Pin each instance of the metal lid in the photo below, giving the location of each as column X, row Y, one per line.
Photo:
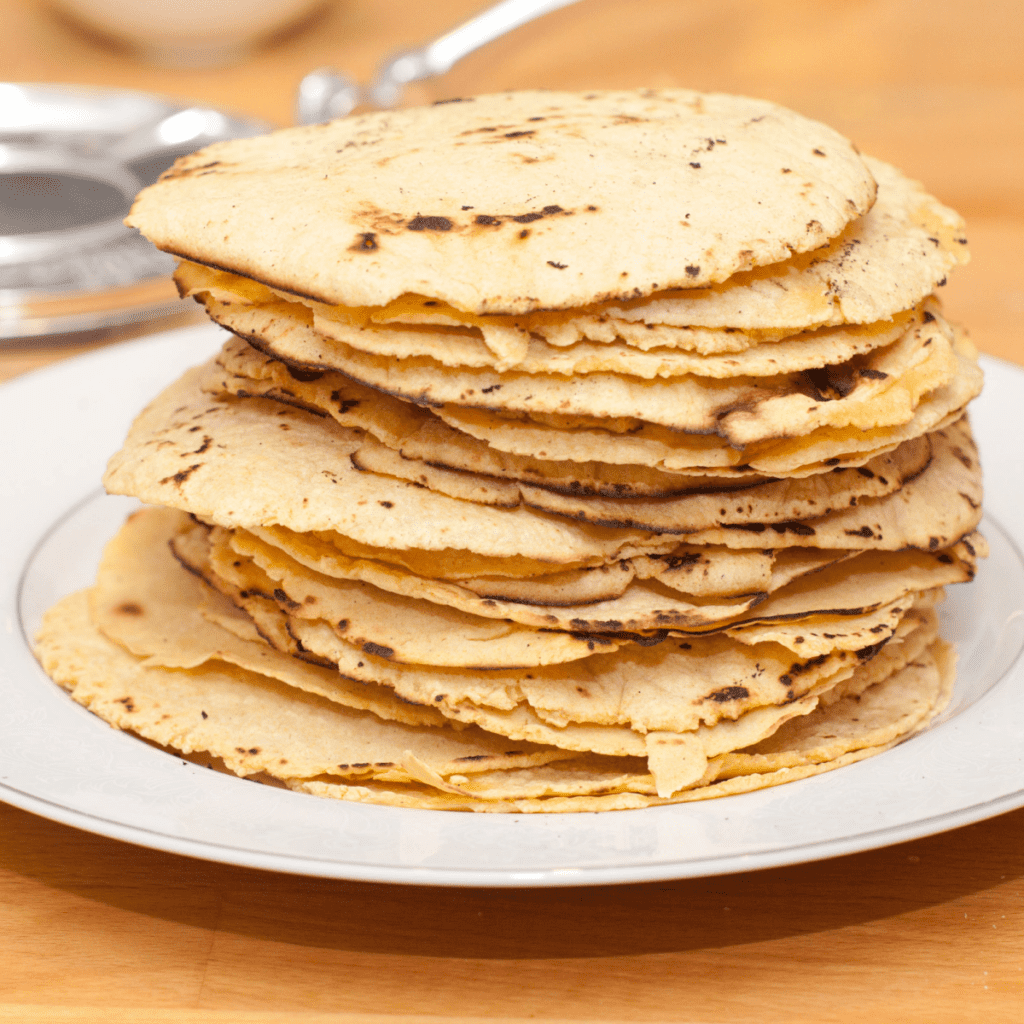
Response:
column 71, row 161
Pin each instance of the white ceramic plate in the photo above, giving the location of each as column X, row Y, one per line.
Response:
column 59, row 426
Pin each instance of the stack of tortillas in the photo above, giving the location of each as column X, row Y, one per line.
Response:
column 570, row 452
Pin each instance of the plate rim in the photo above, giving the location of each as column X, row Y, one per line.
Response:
column 488, row 878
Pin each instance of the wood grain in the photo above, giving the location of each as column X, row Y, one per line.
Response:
column 919, row 927
column 92, row 930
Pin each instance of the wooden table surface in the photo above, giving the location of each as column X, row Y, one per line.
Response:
column 96, row 930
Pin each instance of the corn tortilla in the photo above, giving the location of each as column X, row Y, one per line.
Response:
column 475, row 204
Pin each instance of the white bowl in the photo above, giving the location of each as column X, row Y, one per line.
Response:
column 189, row 33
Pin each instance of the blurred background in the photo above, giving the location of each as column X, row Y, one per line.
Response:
column 934, row 86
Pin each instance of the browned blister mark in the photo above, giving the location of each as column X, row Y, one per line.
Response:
column 727, row 693
column 182, row 475
column 421, row 223
column 366, row 241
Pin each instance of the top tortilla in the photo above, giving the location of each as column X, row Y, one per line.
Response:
column 514, row 202
column 883, row 263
